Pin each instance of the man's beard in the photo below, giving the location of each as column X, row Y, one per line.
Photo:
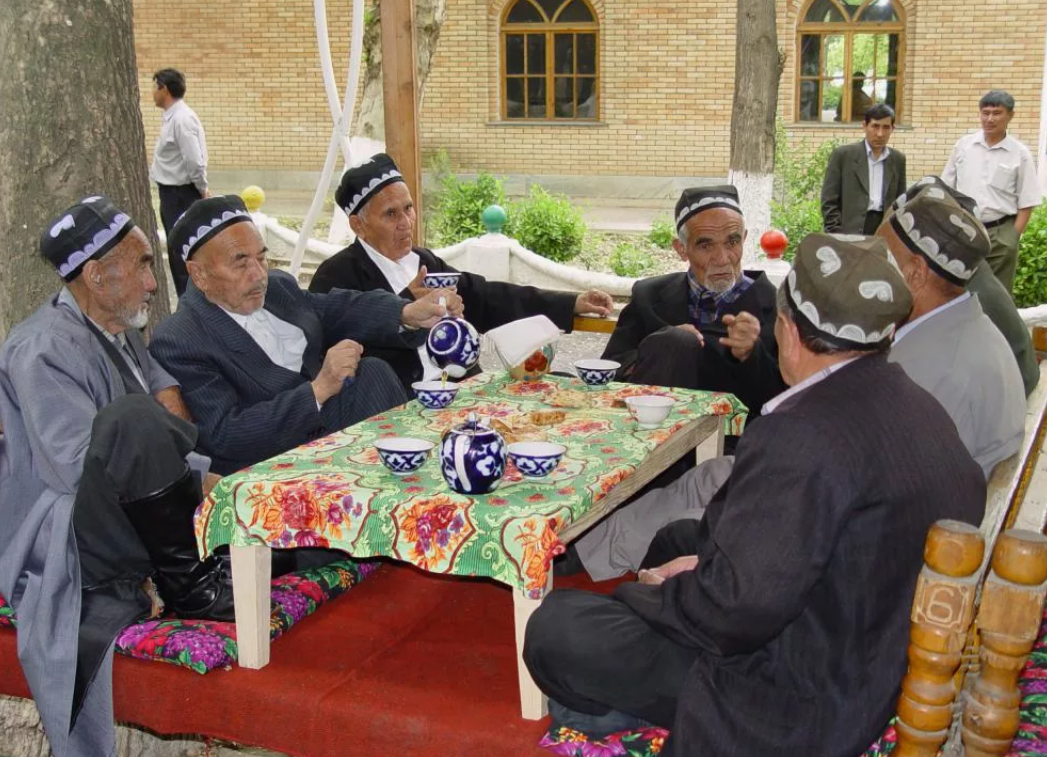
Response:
column 720, row 285
column 136, row 319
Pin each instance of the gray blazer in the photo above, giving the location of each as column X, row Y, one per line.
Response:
column 845, row 190
column 961, row 358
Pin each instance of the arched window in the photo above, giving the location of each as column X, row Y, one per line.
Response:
column 850, row 57
column 550, row 60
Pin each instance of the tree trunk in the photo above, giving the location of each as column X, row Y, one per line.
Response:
column 758, row 68
column 370, row 114
column 70, row 127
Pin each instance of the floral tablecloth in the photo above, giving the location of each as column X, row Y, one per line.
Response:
column 335, row 492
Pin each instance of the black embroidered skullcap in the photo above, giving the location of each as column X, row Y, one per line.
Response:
column 360, row 183
column 963, row 200
column 205, row 219
column 848, row 287
column 87, row 230
column 948, row 236
column 697, row 199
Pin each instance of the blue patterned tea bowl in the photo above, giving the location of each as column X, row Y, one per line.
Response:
column 536, row 459
column 434, row 395
column 596, row 372
column 446, row 280
column 403, row 455
column 472, row 457
column 453, row 345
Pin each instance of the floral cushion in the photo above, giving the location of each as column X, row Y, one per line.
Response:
column 203, row 645
column 647, row 742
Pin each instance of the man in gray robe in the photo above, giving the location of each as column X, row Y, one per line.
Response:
column 85, row 431
column 948, row 345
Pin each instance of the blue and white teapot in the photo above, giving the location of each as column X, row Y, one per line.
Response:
column 453, row 344
column 472, row 457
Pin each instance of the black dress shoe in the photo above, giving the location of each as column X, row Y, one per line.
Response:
column 569, row 563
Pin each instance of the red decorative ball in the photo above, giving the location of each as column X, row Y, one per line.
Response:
column 774, row 243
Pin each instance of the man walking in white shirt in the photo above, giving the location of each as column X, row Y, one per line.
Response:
column 179, row 160
column 998, row 172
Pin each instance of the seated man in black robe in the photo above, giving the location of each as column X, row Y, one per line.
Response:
column 381, row 214
column 779, row 624
column 712, row 327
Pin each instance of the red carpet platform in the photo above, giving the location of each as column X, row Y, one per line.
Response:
column 404, row 664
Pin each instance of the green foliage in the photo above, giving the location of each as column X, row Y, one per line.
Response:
column 547, row 224
column 798, row 176
column 1030, row 280
column 662, row 233
column 631, row 261
column 457, row 205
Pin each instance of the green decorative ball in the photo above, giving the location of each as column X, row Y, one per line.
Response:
column 494, row 218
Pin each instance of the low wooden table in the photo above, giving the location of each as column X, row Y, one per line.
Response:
column 334, row 492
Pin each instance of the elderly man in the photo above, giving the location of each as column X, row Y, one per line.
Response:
column 996, row 301
column 948, row 346
column 263, row 365
column 711, row 327
column 781, row 629
column 95, row 493
column 999, row 173
column 381, row 214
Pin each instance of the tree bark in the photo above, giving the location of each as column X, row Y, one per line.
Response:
column 370, row 114
column 70, row 127
column 758, row 68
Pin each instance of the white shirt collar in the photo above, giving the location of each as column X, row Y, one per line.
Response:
column 173, row 110
column 394, row 270
column 911, row 325
column 1003, row 144
column 771, row 405
column 883, row 153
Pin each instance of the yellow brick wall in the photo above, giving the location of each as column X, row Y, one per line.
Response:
column 665, row 90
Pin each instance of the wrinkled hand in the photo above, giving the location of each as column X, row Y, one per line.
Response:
column 339, row 364
column 743, row 331
column 690, row 329
column 594, row 301
column 205, row 194
column 417, row 288
column 661, row 574
column 424, row 312
column 171, row 399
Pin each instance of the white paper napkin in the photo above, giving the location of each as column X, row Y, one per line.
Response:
column 517, row 340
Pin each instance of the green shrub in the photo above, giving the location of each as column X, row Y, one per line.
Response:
column 631, row 261
column 1030, row 280
column 662, row 233
column 798, row 177
column 457, row 205
column 548, row 224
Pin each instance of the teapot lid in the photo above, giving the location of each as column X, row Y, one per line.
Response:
column 472, row 426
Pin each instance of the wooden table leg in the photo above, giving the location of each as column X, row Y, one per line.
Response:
column 711, row 447
column 533, row 703
column 252, row 570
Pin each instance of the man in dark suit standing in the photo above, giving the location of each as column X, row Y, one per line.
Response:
column 863, row 178
column 381, row 214
column 263, row 365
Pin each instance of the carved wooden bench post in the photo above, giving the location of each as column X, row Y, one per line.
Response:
column 1008, row 621
column 941, row 614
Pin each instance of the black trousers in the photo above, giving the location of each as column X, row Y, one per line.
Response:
column 593, row 654
column 175, row 200
column 136, row 448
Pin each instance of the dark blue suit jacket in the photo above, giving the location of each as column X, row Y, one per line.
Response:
column 247, row 407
